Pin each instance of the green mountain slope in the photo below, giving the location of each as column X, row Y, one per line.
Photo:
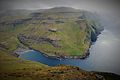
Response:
column 61, row 31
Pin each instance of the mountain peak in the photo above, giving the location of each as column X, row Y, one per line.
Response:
column 62, row 9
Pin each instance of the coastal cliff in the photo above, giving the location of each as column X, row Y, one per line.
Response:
column 64, row 33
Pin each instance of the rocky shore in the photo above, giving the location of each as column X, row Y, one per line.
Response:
column 20, row 51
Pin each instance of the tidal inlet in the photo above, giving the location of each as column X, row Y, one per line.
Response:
column 59, row 40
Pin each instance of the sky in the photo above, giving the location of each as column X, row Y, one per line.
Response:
column 37, row 4
column 106, row 7
column 109, row 11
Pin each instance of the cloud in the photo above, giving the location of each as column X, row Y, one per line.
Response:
column 36, row 4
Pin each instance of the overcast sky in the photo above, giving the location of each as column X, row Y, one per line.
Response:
column 38, row 4
column 106, row 8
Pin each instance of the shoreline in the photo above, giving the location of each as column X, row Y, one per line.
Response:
column 84, row 56
column 64, row 57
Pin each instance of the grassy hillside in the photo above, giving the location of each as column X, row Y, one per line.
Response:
column 68, row 39
column 12, row 68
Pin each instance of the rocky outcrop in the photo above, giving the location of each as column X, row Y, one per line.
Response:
column 52, row 30
column 41, row 40
column 3, row 46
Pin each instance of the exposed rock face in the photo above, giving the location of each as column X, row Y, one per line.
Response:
column 3, row 46
column 53, row 30
column 93, row 36
column 40, row 40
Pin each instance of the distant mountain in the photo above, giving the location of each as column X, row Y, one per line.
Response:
column 62, row 9
column 16, row 12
